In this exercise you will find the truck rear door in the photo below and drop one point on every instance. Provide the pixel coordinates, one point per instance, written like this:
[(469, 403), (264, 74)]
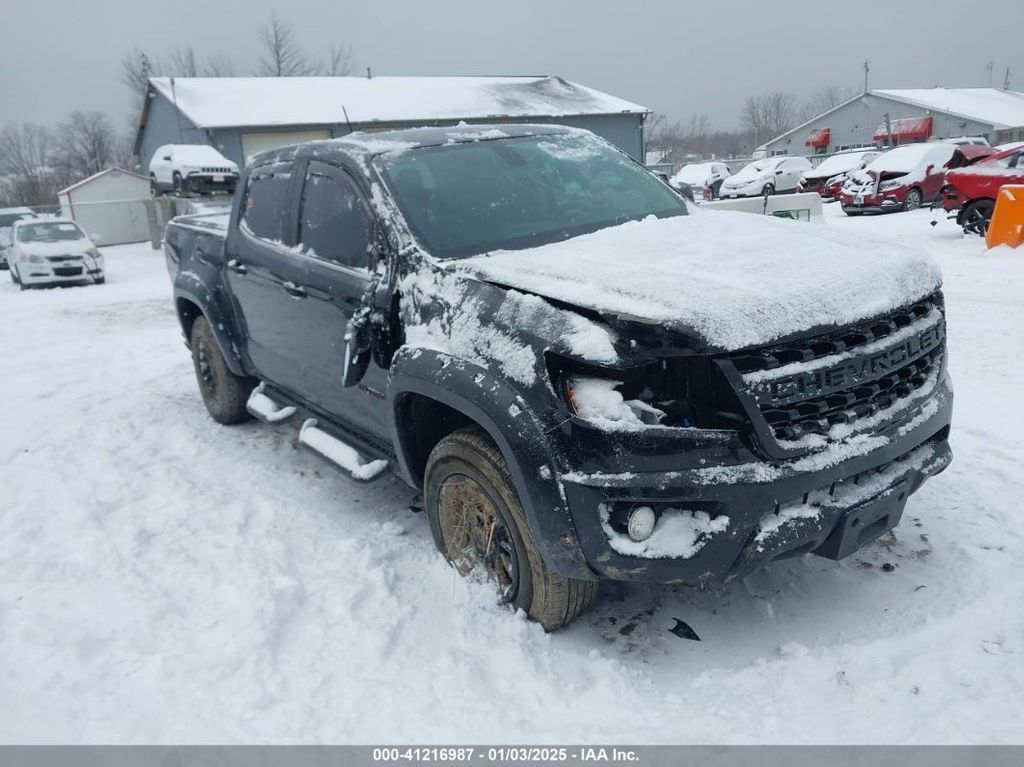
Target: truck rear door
[(258, 274)]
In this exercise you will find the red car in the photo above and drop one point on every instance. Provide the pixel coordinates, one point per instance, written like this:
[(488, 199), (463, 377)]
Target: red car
[(971, 191), (901, 179)]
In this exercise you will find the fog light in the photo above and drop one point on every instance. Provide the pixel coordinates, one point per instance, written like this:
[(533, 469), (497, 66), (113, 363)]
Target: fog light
[(641, 523)]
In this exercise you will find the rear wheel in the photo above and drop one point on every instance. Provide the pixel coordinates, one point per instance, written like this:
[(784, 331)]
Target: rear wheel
[(976, 216), (224, 393), (479, 525), (913, 200)]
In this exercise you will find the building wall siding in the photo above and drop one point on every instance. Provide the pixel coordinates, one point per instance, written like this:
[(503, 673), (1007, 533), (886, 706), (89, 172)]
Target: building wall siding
[(855, 124), (162, 128)]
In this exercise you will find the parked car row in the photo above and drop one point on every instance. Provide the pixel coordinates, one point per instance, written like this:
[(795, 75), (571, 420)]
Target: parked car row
[(963, 175)]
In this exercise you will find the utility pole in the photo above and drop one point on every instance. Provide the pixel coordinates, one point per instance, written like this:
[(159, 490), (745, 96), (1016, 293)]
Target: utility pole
[(867, 68), (1006, 80), (989, 68)]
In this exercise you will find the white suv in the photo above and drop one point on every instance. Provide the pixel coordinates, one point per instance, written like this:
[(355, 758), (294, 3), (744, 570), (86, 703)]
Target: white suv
[(53, 251), (182, 168)]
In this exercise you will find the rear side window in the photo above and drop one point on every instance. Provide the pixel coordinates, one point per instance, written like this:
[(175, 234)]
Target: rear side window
[(333, 222), (266, 199)]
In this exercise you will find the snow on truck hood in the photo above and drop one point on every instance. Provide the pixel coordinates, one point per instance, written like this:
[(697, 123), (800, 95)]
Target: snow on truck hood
[(730, 279)]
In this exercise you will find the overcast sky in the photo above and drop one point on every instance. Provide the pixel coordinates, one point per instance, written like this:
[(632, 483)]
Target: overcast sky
[(676, 57)]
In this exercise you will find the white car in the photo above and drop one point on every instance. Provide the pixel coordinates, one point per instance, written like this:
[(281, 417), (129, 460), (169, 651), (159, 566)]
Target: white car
[(772, 175), (7, 218), (182, 168), (703, 177), (53, 251)]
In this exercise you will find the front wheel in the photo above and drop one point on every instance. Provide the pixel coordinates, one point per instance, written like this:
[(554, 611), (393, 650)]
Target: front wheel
[(224, 393), (976, 216), (478, 524), (913, 200), (179, 185), (767, 190)]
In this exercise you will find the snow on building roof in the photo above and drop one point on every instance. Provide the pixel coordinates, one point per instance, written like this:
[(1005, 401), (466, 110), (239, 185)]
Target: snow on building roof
[(220, 102), (95, 176), (1002, 109)]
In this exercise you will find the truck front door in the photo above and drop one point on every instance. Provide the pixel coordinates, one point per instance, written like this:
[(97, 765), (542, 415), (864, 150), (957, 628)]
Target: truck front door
[(334, 251)]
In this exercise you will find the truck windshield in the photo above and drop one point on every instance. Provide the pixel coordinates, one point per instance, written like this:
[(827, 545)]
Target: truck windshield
[(513, 193)]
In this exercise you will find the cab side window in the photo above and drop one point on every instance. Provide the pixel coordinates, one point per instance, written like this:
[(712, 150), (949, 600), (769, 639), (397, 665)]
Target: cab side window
[(266, 199), (334, 223)]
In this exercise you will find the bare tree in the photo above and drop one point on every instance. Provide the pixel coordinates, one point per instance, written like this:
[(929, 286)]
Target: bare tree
[(183, 62), (768, 115), (824, 99), (283, 55), (136, 69), (339, 62), (86, 143), (219, 66), (24, 164)]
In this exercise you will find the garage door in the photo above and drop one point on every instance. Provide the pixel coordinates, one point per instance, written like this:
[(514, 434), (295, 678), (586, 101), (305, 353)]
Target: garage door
[(253, 143)]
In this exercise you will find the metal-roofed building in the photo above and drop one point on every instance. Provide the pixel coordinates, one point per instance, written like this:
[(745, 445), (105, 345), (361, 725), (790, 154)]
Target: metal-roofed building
[(907, 115), (241, 116)]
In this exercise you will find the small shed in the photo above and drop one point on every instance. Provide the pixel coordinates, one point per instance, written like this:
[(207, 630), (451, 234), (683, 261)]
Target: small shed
[(110, 206)]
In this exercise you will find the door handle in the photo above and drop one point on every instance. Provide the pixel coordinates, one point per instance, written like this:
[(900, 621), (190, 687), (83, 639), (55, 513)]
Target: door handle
[(237, 266), (294, 290)]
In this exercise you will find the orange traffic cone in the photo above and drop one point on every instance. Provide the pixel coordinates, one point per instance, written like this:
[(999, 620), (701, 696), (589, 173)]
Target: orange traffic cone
[(1007, 224)]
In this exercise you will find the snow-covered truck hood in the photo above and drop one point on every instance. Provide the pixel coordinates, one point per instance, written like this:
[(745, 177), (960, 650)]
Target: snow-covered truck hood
[(728, 279)]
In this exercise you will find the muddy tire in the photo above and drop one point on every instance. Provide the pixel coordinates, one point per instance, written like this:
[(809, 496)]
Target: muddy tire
[(478, 524), (224, 393)]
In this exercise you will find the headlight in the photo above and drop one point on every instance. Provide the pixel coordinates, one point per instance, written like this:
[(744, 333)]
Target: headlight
[(93, 253), (36, 260), (673, 392), (890, 184)]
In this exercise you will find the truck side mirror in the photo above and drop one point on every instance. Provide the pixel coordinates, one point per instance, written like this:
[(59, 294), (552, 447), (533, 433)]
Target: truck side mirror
[(373, 333), (358, 342)]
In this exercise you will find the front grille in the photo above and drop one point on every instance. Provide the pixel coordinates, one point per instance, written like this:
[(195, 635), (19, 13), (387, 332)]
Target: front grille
[(216, 170), (863, 370), (61, 259), (67, 271), (818, 415)]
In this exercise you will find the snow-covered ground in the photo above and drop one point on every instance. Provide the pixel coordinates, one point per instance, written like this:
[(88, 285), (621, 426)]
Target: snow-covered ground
[(165, 579)]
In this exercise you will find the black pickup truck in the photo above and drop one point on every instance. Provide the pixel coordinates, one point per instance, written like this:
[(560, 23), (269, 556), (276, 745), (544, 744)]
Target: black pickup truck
[(587, 378)]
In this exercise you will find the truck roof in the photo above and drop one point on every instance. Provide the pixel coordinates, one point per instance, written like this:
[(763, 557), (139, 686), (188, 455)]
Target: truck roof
[(369, 144)]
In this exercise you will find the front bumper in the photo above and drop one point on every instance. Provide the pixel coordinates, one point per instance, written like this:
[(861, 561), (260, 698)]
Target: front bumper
[(205, 182), (870, 203), (825, 503), (60, 272)]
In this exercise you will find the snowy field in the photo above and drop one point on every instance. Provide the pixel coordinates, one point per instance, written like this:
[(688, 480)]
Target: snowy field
[(164, 579)]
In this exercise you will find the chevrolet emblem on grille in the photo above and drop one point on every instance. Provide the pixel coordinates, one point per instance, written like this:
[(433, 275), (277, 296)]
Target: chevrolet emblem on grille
[(849, 372)]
